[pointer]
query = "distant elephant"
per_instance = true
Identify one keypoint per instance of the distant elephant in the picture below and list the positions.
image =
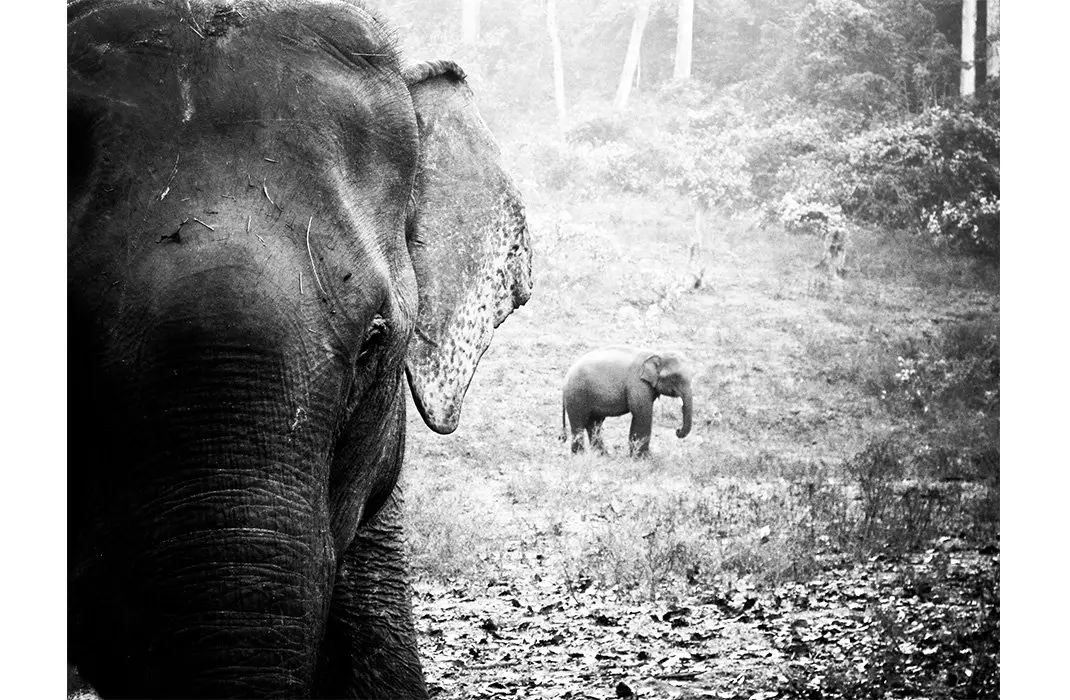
(615, 380)
(271, 222)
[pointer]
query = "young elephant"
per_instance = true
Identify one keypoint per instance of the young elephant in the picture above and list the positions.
(615, 380)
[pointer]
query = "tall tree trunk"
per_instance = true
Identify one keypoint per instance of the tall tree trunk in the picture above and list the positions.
(992, 64)
(631, 58)
(969, 32)
(685, 24)
(469, 21)
(559, 68)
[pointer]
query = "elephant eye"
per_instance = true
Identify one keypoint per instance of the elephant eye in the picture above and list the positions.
(374, 336)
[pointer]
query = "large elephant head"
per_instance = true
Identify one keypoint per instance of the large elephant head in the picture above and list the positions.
(670, 375)
(271, 221)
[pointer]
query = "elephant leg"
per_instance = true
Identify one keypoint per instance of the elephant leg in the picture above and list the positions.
(577, 441)
(577, 420)
(369, 647)
(639, 432)
(594, 433)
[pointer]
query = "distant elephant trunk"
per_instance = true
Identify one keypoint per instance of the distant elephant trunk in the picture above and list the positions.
(686, 427)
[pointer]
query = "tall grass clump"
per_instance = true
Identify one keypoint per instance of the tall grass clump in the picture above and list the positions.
(946, 386)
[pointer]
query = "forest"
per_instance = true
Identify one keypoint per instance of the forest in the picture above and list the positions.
(803, 197)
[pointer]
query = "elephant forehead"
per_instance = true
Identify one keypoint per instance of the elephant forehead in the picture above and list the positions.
(313, 73)
(300, 107)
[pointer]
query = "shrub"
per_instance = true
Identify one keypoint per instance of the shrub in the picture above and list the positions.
(937, 173)
(598, 131)
(713, 171)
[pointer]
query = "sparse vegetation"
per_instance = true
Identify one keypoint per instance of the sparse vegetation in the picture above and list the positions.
(812, 446)
(846, 425)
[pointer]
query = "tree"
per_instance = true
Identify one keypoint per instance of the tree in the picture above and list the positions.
(559, 69)
(685, 24)
(969, 31)
(469, 21)
(631, 58)
(992, 44)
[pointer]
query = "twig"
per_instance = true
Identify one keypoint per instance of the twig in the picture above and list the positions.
(194, 29)
(230, 196)
(270, 160)
(269, 196)
(301, 282)
(568, 585)
(249, 229)
(685, 676)
(311, 259)
(193, 22)
(167, 187)
(203, 224)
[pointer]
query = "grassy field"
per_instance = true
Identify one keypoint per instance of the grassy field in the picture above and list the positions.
(832, 420)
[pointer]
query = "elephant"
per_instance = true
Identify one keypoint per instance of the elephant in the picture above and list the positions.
(618, 379)
(274, 224)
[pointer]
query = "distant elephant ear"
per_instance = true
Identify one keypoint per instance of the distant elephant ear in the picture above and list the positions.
(649, 371)
(468, 240)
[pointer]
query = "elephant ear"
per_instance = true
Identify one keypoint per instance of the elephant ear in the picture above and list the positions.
(648, 372)
(468, 239)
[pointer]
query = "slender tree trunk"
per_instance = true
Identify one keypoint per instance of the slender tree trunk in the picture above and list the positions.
(969, 32)
(638, 67)
(559, 68)
(698, 238)
(631, 58)
(993, 39)
(685, 25)
(469, 21)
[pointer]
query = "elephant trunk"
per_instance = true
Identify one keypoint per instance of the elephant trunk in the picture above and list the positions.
(241, 605)
(684, 429)
(205, 558)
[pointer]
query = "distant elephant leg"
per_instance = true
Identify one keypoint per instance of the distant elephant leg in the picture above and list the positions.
(577, 440)
(639, 432)
(594, 434)
(577, 419)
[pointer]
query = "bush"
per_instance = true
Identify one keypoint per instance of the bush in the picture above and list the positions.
(598, 131)
(958, 371)
(937, 173)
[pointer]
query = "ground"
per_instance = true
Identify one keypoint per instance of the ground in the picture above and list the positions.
(747, 560)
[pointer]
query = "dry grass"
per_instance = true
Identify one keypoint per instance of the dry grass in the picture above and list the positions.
(788, 392)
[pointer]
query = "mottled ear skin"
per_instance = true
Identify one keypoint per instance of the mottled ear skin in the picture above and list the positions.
(468, 240)
(648, 372)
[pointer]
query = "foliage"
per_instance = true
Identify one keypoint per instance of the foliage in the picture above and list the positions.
(948, 385)
(872, 57)
(754, 522)
(926, 625)
(798, 493)
(929, 627)
(841, 107)
(939, 171)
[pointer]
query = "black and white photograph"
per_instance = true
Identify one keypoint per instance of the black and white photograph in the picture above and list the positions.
(549, 349)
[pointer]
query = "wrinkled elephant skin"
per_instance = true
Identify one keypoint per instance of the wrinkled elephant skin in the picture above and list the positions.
(271, 223)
